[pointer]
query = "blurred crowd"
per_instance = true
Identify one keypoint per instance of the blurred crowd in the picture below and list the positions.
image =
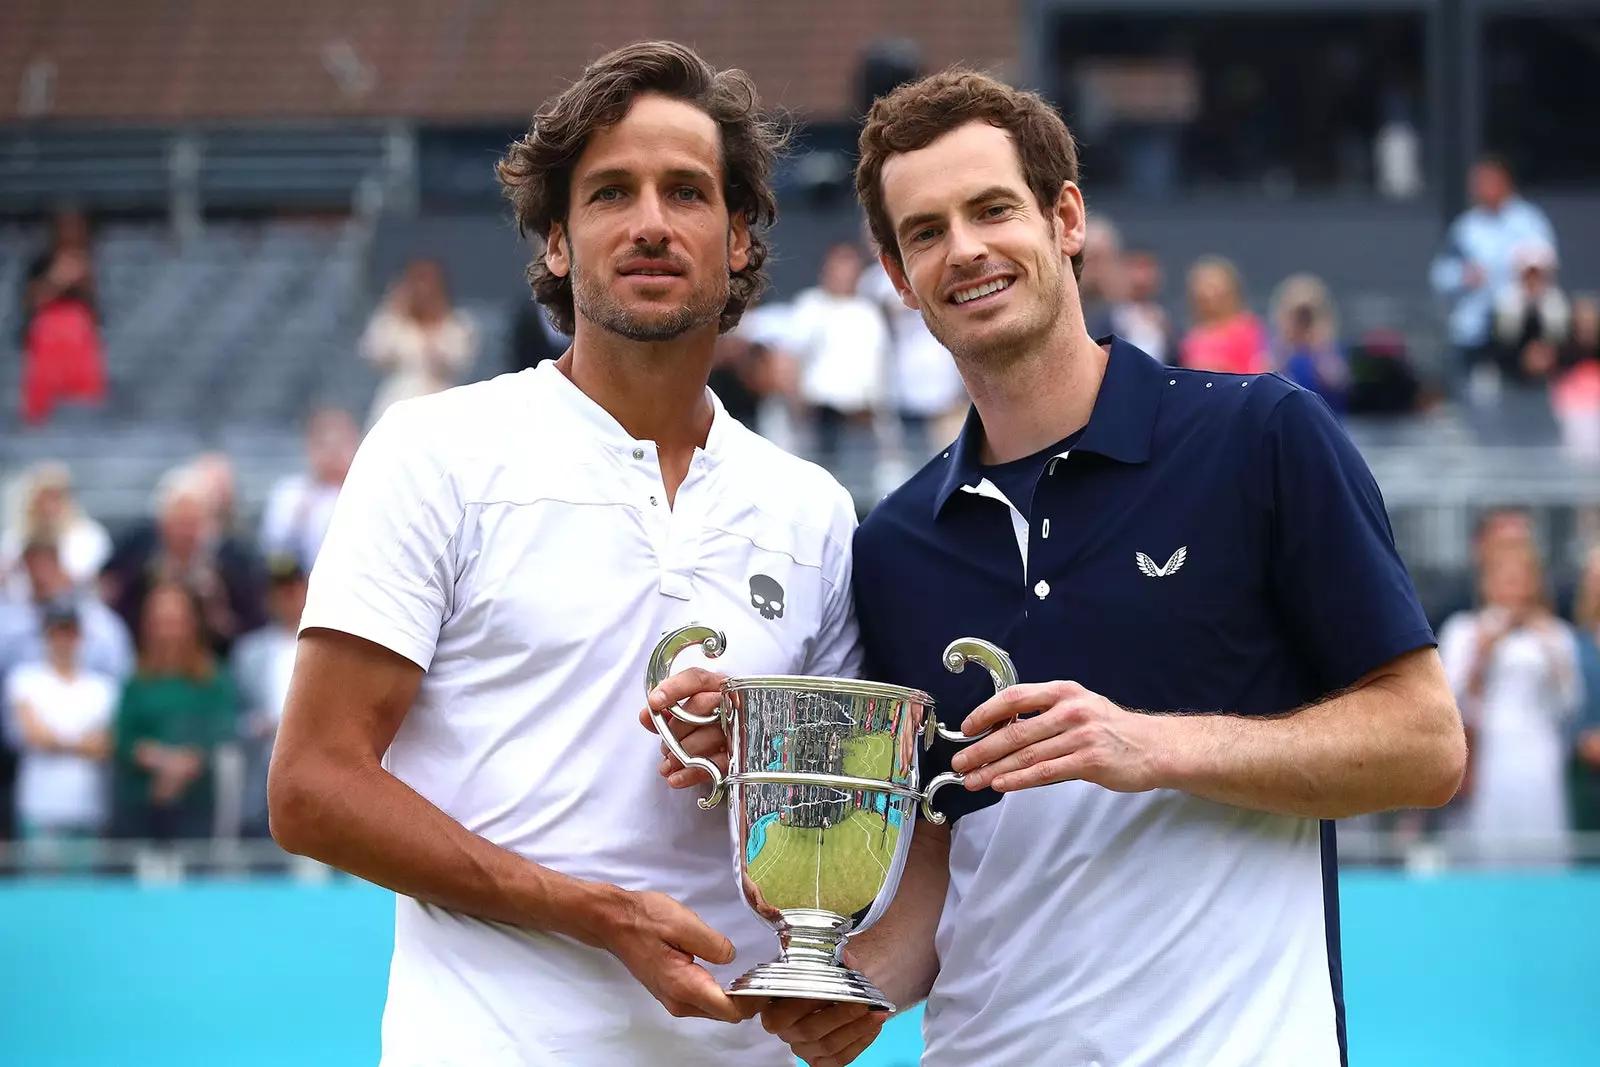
(144, 675)
(144, 669)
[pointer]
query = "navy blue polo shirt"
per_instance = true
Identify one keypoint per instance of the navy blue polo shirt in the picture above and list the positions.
(1211, 543)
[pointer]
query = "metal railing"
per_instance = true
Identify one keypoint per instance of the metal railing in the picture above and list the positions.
(168, 863)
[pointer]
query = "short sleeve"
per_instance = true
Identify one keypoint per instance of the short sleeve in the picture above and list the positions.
(837, 651)
(386, 569)
(1458, 638)
(1340, 585)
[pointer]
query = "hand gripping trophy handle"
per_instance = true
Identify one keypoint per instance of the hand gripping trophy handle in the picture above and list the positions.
(957, 655)
(712, 643)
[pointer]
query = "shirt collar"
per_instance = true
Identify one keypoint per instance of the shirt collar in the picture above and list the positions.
(604, 429)
(1120, 425)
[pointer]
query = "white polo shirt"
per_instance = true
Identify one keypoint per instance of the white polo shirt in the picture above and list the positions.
(512, 539)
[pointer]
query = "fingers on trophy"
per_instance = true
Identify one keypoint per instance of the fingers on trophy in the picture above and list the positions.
(823, 782)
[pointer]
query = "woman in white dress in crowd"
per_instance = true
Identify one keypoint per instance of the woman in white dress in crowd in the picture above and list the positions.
(417, 338)
(1514, 668)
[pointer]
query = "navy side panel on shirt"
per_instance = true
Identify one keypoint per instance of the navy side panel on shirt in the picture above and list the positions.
(1215, 544)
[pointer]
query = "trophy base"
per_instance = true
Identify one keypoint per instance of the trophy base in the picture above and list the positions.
(808, 980)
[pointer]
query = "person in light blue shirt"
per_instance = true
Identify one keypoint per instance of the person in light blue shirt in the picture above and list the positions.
(1477, 260)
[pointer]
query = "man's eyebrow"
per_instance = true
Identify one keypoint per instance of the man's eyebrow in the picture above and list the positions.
(993, 192)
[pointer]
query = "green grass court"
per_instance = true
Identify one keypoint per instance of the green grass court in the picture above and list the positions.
(839, 869)
(869, 757)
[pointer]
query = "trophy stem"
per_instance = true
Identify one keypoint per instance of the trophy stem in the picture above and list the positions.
(810, 966)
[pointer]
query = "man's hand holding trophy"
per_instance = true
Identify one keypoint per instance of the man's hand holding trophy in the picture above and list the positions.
(822, 780)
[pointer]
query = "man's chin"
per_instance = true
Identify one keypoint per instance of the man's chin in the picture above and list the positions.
(984, 343)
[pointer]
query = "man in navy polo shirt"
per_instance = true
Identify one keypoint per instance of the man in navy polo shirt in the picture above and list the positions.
(1219, 651)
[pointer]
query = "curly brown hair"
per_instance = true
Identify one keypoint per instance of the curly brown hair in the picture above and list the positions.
(918, 113)
(536, 172)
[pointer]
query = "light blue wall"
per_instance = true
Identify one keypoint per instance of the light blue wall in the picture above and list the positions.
(1481, 971)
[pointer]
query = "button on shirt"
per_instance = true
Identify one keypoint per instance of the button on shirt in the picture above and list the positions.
(516, 542)
(1215, 544)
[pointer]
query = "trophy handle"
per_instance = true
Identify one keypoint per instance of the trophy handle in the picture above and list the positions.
(711, 642)
(938, 783)
(957, 655)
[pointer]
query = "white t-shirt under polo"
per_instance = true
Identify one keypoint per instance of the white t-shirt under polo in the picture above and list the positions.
(512, 539)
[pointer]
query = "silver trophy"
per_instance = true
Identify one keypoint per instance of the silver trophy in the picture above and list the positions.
(823, 776)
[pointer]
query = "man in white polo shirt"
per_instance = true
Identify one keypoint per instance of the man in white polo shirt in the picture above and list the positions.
(503, 558)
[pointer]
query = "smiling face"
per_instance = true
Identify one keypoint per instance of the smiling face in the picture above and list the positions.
(988, 267)
(648, 241)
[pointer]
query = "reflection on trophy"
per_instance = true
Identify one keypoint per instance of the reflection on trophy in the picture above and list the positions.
(822, 775)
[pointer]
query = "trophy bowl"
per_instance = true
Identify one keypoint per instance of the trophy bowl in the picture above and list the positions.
(823, 787)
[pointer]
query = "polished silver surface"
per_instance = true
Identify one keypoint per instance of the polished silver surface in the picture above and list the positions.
(711, 642)
(823, 781)
(823, 807)
(957, 654)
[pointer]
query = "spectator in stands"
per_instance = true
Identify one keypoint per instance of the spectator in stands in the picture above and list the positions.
(1102, 283)
(1477, 260)
(1583, 771)
(61, 714)
(213, 473)
(1140, 319)
(1382, 380)
(178, 706)
(1575, 394)
(47, 513)
(841, 341)
(417, 338)
(1226, 336)
(1530, 326)
(262, 663)
(1513, 666)
(1305, 346)
(62, 355)
(741, 377)
(104, 644)
(924, 386)
(533, 338)
(181, 546)
(299, 506)
(1495, 529)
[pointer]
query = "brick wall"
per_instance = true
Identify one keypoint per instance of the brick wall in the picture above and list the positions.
(167, 60)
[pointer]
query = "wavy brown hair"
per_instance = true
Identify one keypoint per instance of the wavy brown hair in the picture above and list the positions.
(918, 113)
(536, 172)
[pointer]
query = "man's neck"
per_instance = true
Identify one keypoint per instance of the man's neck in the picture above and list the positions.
(1037, 400)
(656, 390)
(65, 669)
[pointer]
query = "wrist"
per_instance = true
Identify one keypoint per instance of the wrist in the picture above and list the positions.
(593, 912)
(1174, 755)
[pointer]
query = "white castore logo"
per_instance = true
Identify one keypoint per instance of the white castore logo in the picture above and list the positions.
(1149, 568)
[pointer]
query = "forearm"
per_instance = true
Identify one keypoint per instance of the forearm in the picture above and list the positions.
(1386, 744)
(897, 953)
(151, 755)
(365, 821)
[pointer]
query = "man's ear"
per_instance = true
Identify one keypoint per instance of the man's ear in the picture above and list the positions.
(738, 244)
(897, 275)
(1071, 219)
(557, 253)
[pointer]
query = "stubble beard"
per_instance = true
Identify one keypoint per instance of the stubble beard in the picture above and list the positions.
(1013, 343)
(595, 302)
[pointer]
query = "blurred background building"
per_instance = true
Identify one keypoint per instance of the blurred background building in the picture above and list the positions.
(230, 234)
